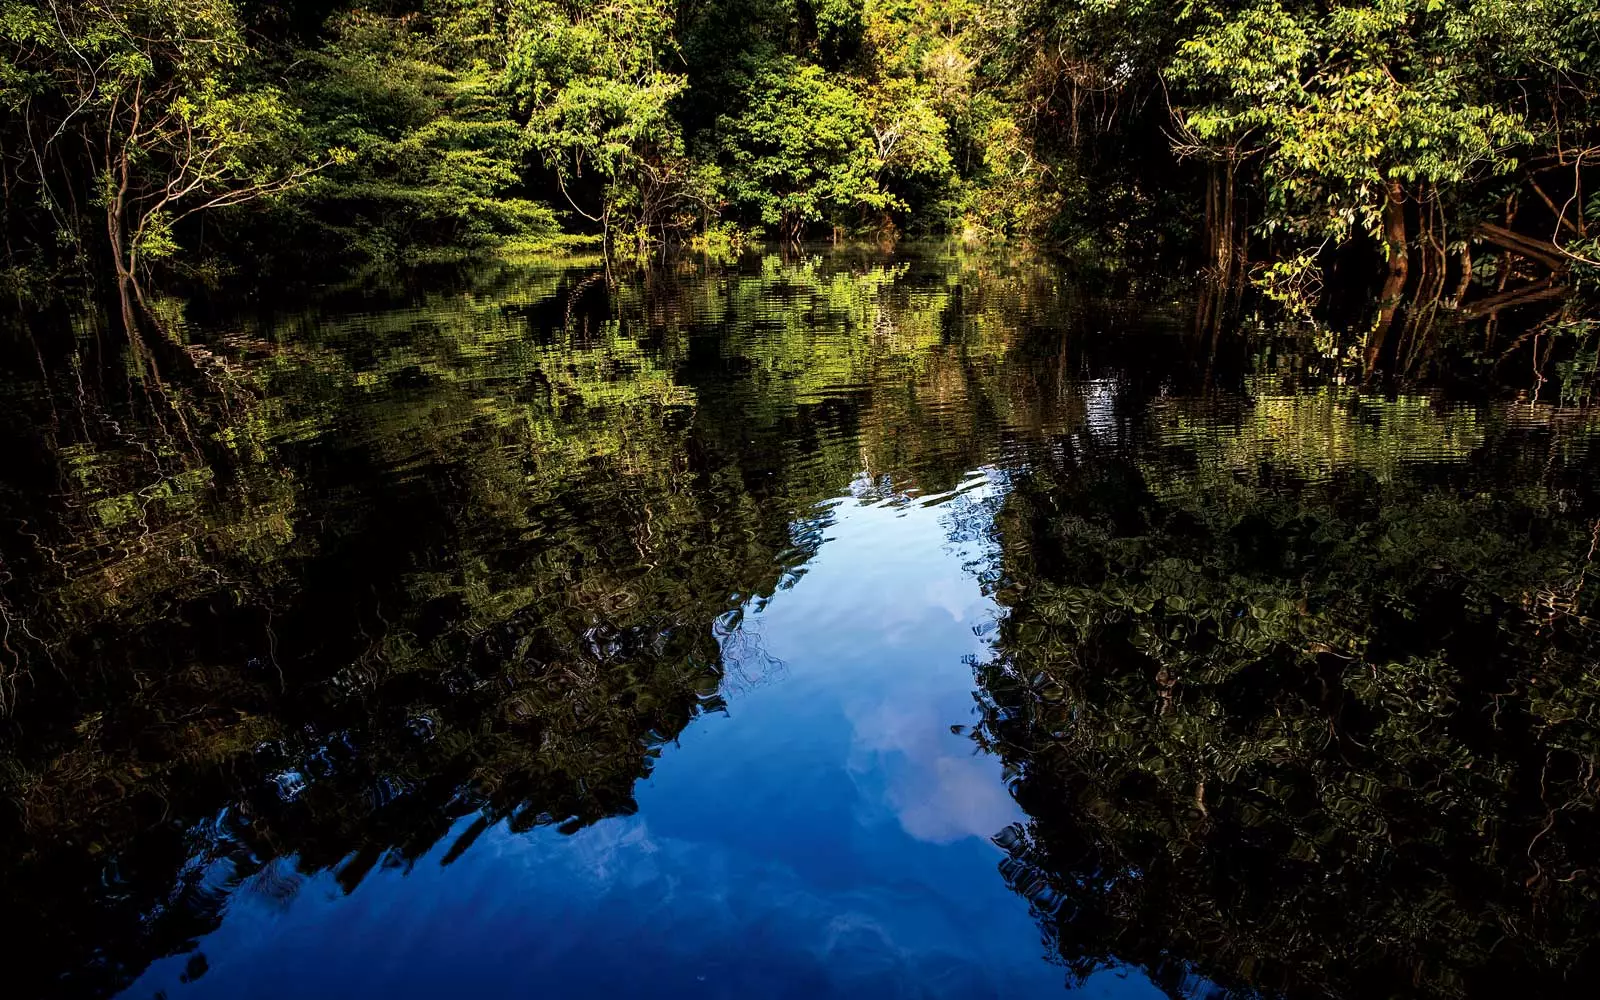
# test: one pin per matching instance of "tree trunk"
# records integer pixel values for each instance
(1216, 222)
(1222, 224)
(117, 237)
(1394, 238)
(1464, 285)
(1394, 232)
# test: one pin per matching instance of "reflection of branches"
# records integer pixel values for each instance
(745, 657)
(1562, 601)
(13, 673)
(576, 295)
(1166, 699)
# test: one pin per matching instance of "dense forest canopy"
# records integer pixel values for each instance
(1267, 138)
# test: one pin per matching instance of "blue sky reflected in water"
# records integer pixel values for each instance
(829, 836)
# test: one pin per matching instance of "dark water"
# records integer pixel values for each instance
(919, 625)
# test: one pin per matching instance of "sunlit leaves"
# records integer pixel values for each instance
(1340, 103)
(803, 151)
(595, 85)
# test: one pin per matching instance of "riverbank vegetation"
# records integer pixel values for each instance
(1445, 147)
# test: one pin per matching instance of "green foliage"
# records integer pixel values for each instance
(800, 152)
(1406, 121)
(592, 81)
(419, 128)
(143, 113)
(1343, 103)
(436, 156)
(1294, 283)
(888, 129)
(841, 27)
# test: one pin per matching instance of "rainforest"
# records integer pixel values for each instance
(800, 498)
(198, 137)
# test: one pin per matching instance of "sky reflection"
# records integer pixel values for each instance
(830, 835)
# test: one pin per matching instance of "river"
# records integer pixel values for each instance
(911, 623)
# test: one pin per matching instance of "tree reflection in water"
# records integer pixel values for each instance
(1300, 695)
(430, 555)
(1294, 679)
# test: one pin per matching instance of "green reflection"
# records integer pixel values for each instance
(1299, 692)
(1295, 679)
(396, 558)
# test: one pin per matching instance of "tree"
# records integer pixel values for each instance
(590, 78)
(802, 151)
(1415, 124)
(147, 102)
(438, 155)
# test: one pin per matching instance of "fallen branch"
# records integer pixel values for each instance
(1539, 291)
(1537, 251)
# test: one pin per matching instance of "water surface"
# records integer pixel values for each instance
(919, 624)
